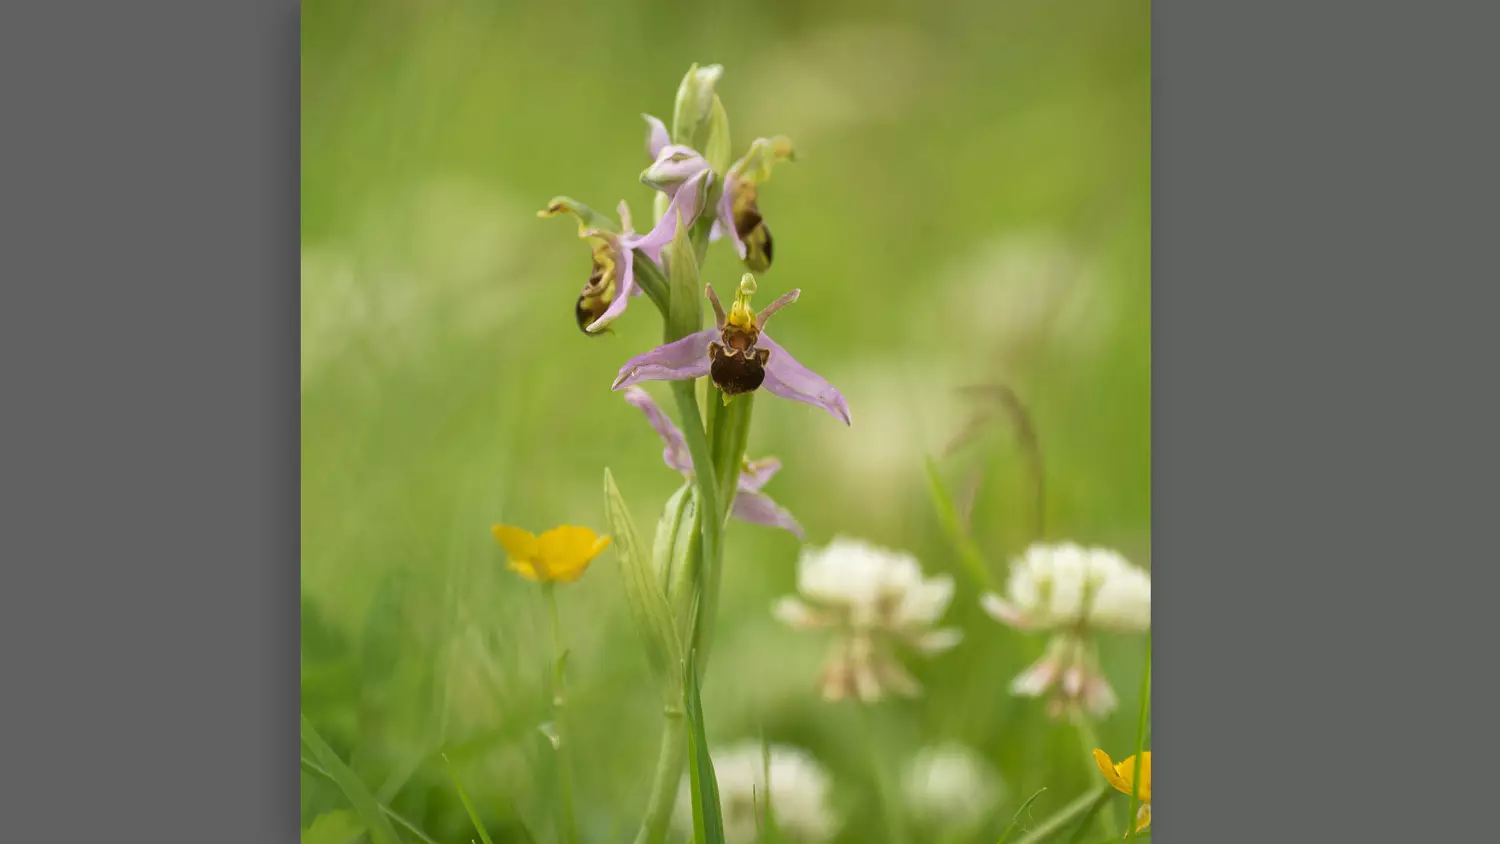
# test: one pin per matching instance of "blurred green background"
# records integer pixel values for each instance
(971, 204)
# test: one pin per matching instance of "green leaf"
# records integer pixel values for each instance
(708, 823)
(340, 827)
(948, 515)
(358, 795)
(684, 292)
(651, 280)
(468, 806)
(643, 592)
(1015, 819)
(717, 148)
(690, 115)
(677, 557)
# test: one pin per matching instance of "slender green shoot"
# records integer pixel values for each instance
(468, 805)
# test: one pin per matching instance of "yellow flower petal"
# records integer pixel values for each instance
(524, 568)
(1111, 772)
(567, 550)
(519, 544)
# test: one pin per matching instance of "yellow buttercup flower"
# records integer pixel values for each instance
(559, 555)
(1122, 777)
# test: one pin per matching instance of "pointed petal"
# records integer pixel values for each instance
(676, 454)
(1098, 697)
(685, 203)
(1035, 679)
(713, 299)
(787, 378)
(627, 227)
(758, 508)
(782, 301)
(757, 473)
(1004, 612)
(794, 613)
(940, 640)
(657, 136)
(1110, 771)
(724, 219)
(676, 361)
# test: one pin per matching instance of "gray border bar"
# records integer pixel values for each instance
(1323, 418)
(149, 443)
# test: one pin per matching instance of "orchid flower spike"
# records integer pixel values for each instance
(611, 283)
(750, 504)
(738, 355)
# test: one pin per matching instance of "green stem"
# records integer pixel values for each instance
(559, 716)
(664, 783)
(884, 787)
(1090, 740)
(710, 521)
(1140, 742)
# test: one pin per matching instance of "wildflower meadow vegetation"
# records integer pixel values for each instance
(588, 556)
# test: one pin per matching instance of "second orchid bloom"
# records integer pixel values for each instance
(738, 356)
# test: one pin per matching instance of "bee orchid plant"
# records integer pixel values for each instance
(672, 586)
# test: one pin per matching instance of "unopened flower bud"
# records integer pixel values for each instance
(694, 109)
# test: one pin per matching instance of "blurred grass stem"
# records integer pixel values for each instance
(885, 787)
(1140, 742)
(562, 745)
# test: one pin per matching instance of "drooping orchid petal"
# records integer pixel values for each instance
(758, 508)
(750, 504)
(756, 473)
(685, 205)
(787, 378)
(676, 453)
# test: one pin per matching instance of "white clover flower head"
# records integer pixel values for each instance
(950, 787)
(875, 598)
(1068, 585)
(1072, 591)
(799, 795)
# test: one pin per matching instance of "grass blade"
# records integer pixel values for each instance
(1084, 804)
(708, 823)
(1015, 819)
(948, 515)
(315, 768)
(364, 803)
(463, 796)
